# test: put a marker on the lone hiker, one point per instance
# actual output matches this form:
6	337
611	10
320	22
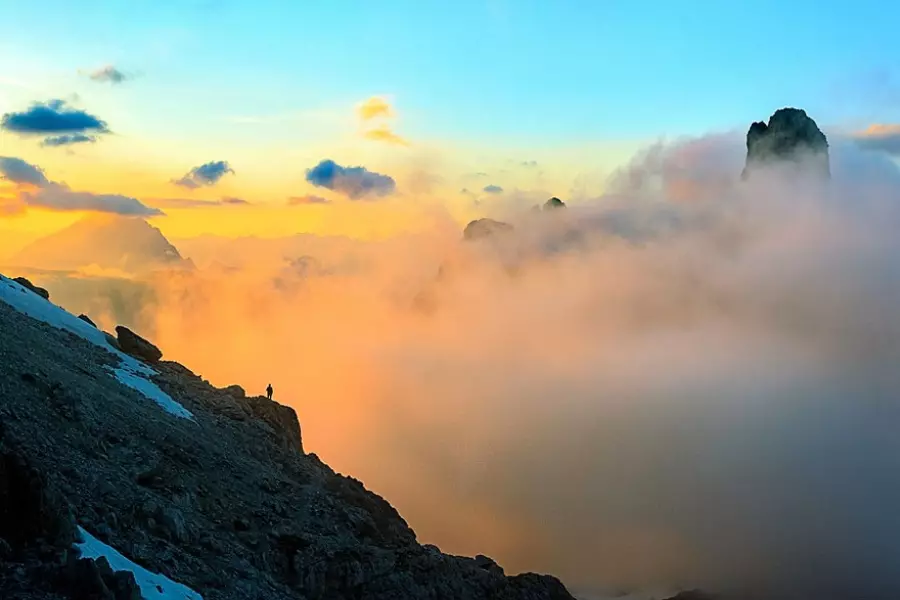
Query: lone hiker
269	391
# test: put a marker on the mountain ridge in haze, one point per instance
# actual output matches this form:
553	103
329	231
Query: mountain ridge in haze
128	244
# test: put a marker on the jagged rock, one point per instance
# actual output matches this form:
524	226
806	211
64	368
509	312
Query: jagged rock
790	135
483	228
488	564
87	320
86	581
30	286
282	419
554	203
111	340
236	391
124	586
133	344
171	522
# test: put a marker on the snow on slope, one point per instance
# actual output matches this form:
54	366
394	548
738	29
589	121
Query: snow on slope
131	372
153	585
152	391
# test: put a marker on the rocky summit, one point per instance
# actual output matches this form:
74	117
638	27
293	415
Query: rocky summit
790	136
125	479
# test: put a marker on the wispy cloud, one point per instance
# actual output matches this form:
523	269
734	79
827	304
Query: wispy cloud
306	200
195	203
18	171
68	139
354	182
884	138
207	174
107	74
35	189
373	108
492	189
60	197
384	134
377	108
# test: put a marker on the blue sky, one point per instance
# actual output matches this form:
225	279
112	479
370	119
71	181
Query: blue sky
472	70
531	96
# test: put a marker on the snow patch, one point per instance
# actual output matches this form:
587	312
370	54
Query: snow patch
131	371
152	391
153	585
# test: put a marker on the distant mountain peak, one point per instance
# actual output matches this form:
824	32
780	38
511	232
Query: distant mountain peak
108	241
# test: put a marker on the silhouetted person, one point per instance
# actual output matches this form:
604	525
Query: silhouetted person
269	391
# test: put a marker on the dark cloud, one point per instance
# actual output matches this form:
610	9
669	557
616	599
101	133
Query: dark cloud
59	197
205	175
68	139
883	138
52	118
354	182
108	74
17	170
308	199
492	189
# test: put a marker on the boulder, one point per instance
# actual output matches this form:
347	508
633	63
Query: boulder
484	228
789	136
488	564
30	286
87	320
235	391
133	344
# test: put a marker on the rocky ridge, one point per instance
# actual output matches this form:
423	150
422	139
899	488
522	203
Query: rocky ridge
790	136
223	501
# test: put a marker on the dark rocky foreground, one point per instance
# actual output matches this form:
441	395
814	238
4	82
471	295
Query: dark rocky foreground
225	503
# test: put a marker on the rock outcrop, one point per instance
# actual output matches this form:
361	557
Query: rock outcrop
225	503
25	283
87	320
554	203
790	136
133	344
484	228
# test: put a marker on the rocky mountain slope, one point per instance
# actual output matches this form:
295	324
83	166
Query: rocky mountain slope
121	479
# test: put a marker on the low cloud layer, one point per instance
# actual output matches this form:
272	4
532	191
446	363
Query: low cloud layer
354	182
688	382
207	174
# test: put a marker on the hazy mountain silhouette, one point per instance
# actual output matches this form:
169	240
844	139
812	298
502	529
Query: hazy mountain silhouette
129	244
